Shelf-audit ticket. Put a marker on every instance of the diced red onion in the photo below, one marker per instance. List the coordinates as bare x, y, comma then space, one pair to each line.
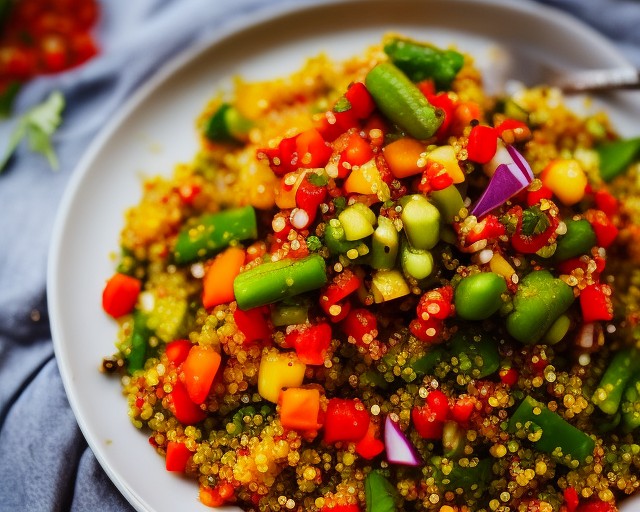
398, 448
522, 164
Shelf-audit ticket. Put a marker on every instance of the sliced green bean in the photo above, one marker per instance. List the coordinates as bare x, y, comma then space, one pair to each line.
227, 124
139, 341
416, 263
335, 238
630, 406
384, 245
421, 221
450, 475
357, 221
448, 201
579, 239
213, 232
278, 280
550, 433
402, 102
424, 61
539, 301
477, 354
618, 374
479, 296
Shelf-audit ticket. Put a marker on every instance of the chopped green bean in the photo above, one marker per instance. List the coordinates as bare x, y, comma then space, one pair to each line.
402, 102
448, 201
621, 369
278, 280
579, 239
630, 406
227, 124
477, 354
335, 238
451, 475
550, 433
139, 341
479, 296
416, 263
421, 221
357, 221
384, 245
213, 232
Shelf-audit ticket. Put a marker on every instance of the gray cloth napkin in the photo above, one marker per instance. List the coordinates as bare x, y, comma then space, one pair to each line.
45, 464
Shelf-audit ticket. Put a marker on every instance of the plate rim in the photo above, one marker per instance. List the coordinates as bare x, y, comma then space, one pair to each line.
265, 13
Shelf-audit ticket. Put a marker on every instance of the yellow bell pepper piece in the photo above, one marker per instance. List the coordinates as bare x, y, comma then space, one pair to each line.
388, 285
566, 179
500, 266
366, 180
278, 370
446, 157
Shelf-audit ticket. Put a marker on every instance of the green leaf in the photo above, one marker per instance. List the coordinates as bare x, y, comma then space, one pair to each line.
534, 221
38, 125
314, 243
342, 105
617, 156
319, 179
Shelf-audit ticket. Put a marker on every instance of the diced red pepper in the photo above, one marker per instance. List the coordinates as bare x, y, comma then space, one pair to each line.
362, 104
606, 202
519, 129
531, 244
345, 420
177, 456
188, 192
341, 508
309, 197
508, 376
311, 342
483, 143
362, 325
429, 330
253, 324
488, 228
606, 232
426, 422
312, 150
282, 159
438, 402
596, 505
434, 177
369, 446
571, 499
183, 408
357, 152
427, 87
178, 350
344, 284
535, 196
595, 303
447, 105
463, 408
120, 295
436, 303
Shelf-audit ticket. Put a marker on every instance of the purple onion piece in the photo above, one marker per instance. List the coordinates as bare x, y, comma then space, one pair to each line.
521, 163
503, 185
398, 448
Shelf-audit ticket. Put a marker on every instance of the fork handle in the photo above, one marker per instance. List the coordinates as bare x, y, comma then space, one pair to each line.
598, 80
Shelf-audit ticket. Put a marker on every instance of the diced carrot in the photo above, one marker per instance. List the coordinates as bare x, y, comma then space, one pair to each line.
120, 294
178, 350
183, 408
210, 497
403, 157
200, 368
218, 278
177, 456
299, 408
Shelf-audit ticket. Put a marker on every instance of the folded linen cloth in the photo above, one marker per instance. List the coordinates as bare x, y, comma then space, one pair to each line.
45, 464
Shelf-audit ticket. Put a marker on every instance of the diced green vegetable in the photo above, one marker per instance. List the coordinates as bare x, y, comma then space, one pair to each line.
424, 61
579, 239
477, 354
139, 341
421, 221
448, 201
630, 405
387, 285
336, 240
617, 156
550, 433
618, 374
357, 221
289, 314
402, 102
473, 478
379, 493
384, 244
479, 296
557, 330
211, 233
227, 124
539, 301
277, 280
416, 263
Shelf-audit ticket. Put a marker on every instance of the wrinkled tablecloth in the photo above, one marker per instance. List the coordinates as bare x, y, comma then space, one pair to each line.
45, 463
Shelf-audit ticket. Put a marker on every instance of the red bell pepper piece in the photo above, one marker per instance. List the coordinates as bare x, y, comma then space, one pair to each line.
512, 125
606, 202
535, 196
253, 324
428, 330
178, 350
595, 303
360, 323
606, 232
311, 342
357, 152
482, 144
463, 408
571, 499
508, 376
341, 508
369, 446
438, 403
344, 284
309, 197
434, 177
177, 456
530, 244
444, 102
362, 104
183, 408
426, 422
488, 228
436, 303
427, 87
345, 420
312, 150
596, 505
120, 294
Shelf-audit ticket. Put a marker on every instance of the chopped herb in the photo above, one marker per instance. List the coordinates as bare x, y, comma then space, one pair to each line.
342, 105
38, 125
314, 243
340, 204
319, 179
534, 221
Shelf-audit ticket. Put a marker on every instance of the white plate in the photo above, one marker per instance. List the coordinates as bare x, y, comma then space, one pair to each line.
156, 129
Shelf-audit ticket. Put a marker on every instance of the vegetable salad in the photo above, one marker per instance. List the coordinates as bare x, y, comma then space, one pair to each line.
377, 288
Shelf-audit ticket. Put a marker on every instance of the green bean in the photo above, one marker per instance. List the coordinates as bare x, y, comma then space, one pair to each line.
558, 330
213, 232
139, 341
384, 245
357, 221
477, 354
424, 61
539, 301
451, 475
380, 494
550, 433
402, 102
289, 314
421, 221
278, 280
227, 124
335, 238
618, 374
479, 296
617, 156
416, 263
579, 239
630, 406
448, 201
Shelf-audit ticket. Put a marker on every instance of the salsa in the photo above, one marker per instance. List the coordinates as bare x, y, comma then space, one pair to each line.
377, 288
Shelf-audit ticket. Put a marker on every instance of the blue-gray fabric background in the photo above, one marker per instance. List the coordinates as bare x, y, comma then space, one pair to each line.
45, 464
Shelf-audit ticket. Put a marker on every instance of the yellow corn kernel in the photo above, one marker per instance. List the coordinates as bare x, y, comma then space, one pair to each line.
566, 179
388, 285
446, 157
500, 266
278, 370
366, 180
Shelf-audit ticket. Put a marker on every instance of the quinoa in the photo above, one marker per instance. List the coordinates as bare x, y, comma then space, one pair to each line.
397, 347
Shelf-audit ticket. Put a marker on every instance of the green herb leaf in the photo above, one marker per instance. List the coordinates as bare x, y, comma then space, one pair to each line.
319, 179
314, 243
617, 156
534, 221
342, 105
340, 204
38, 125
